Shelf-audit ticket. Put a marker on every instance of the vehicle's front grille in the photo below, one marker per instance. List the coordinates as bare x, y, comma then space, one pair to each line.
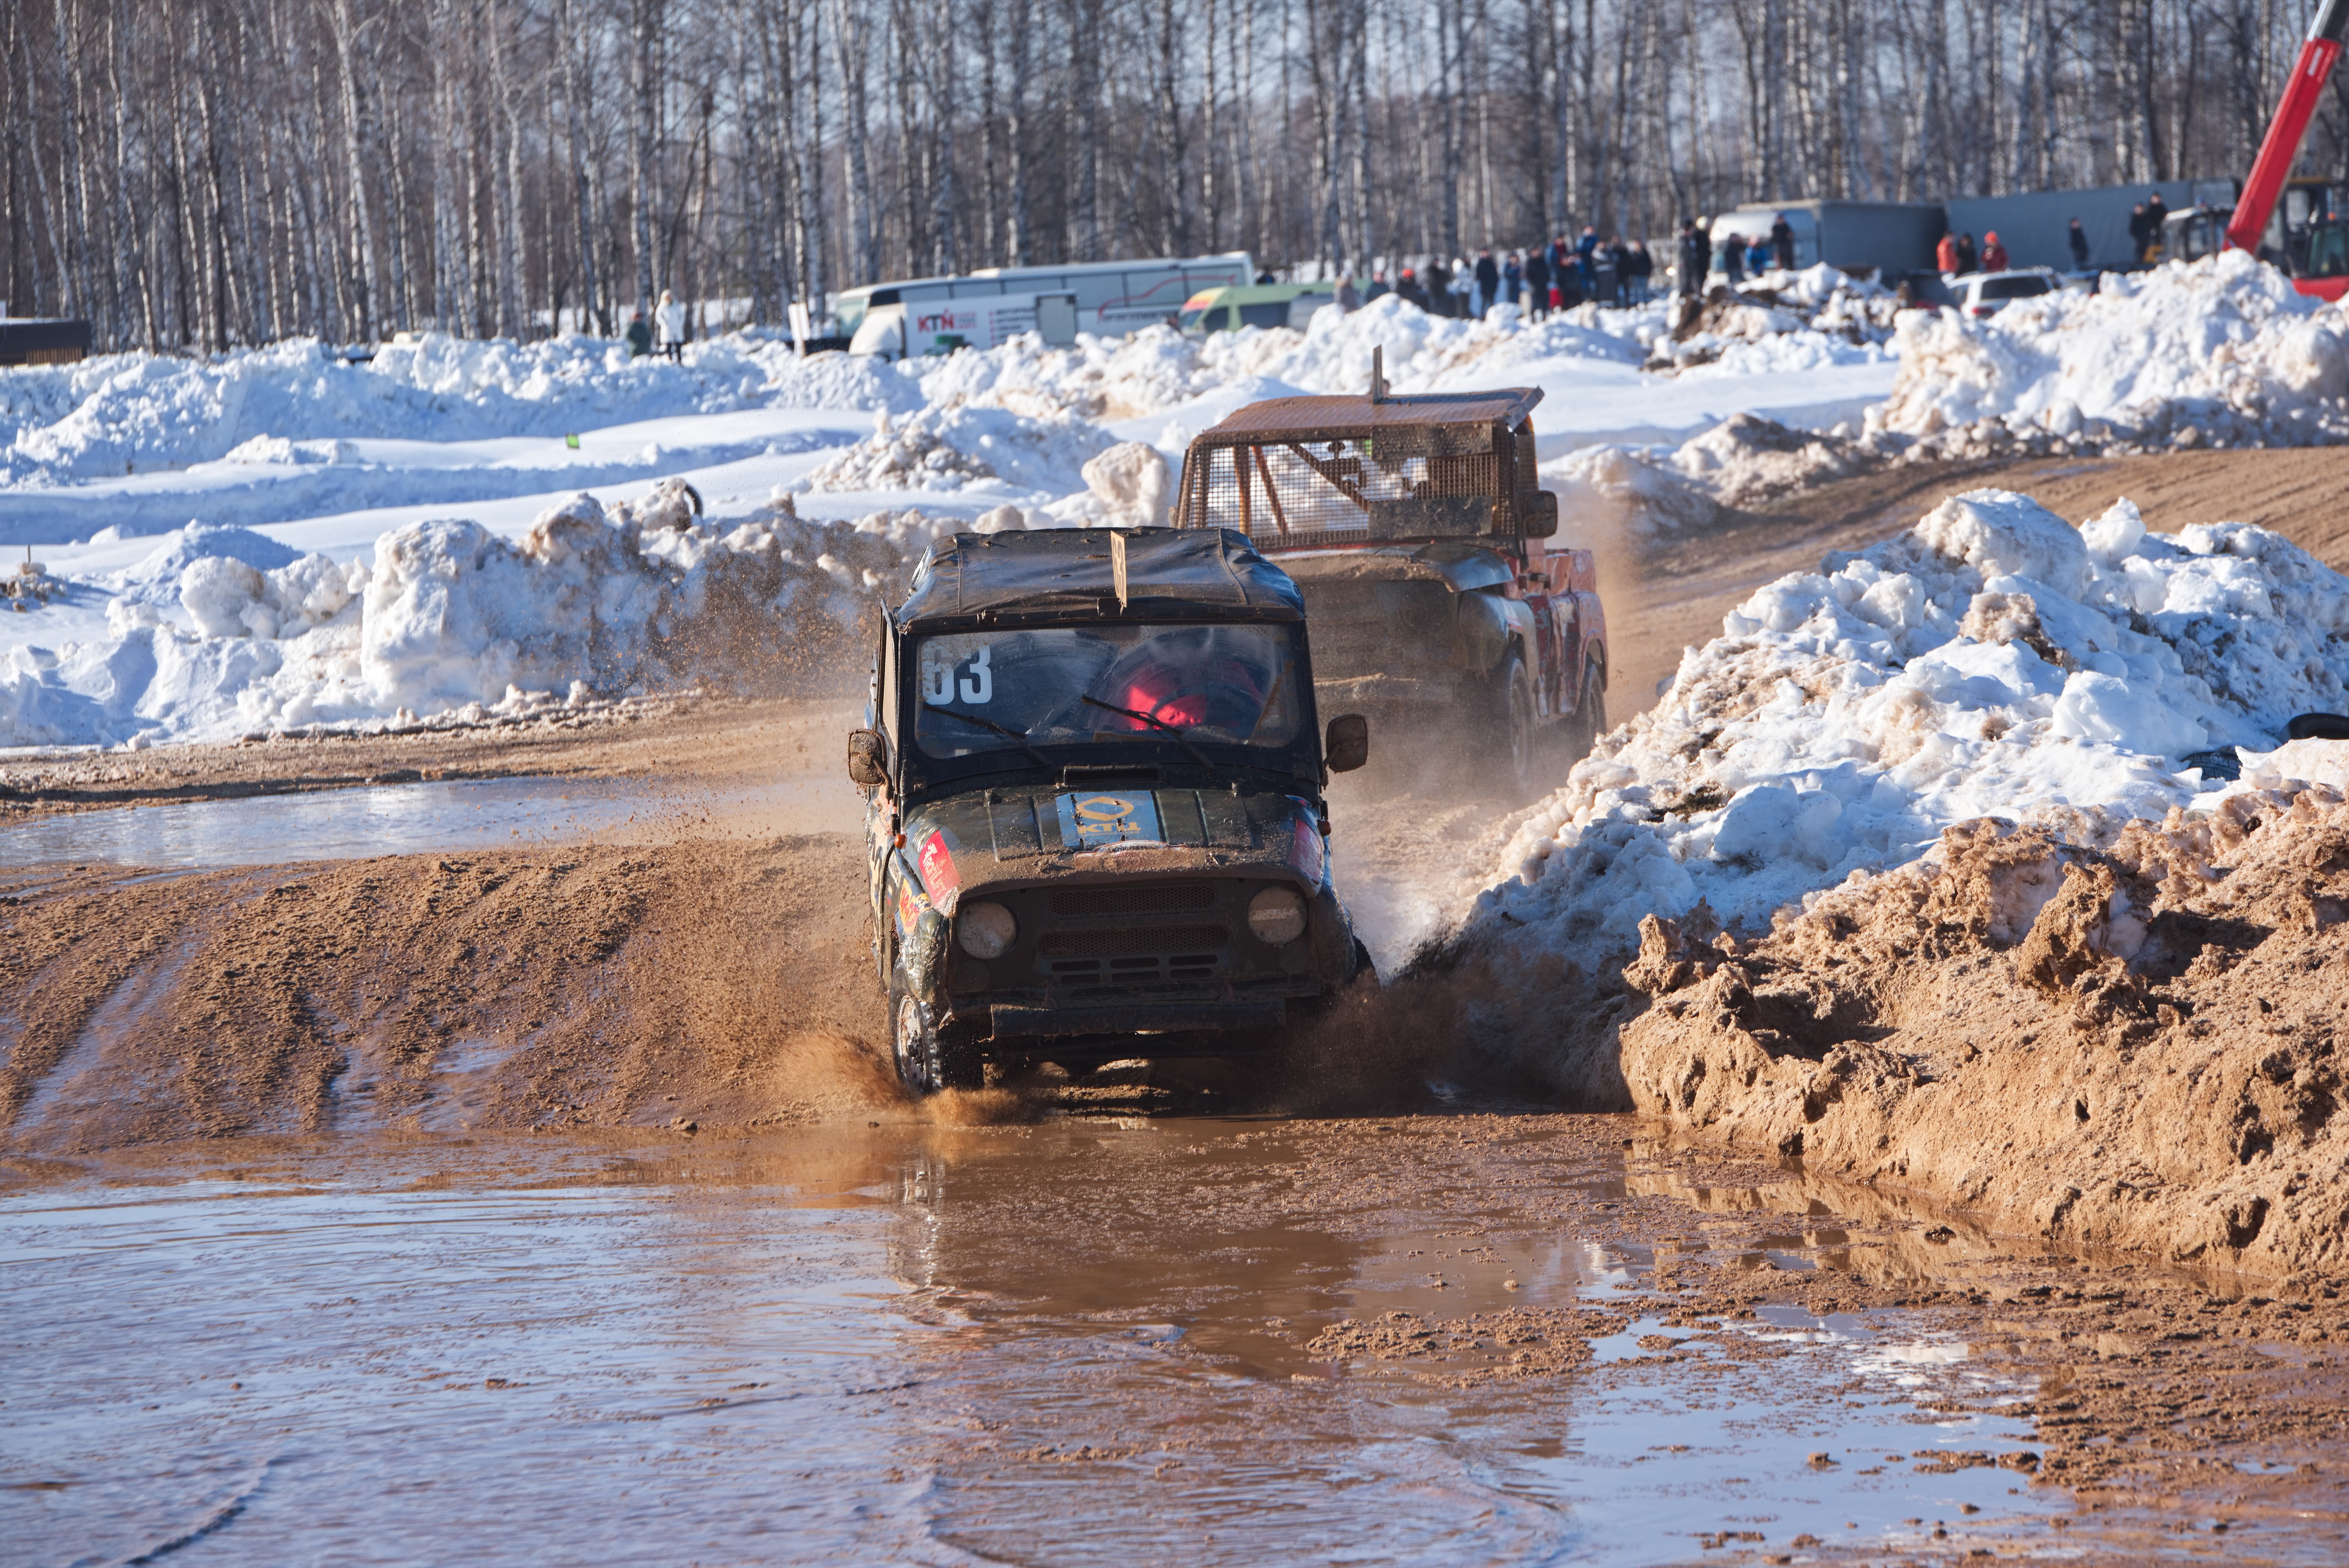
1146, 899
1144, 968
1157, 940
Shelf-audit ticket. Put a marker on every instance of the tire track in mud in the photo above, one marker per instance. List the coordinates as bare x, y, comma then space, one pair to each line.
580, 985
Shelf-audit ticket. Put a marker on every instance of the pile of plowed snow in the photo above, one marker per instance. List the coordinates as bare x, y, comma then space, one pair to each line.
125, 412
1742, 460
222, 632
2220, 352
1993, 661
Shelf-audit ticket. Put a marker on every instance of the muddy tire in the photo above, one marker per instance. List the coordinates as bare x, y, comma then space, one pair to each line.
1589, 720
925, 1061
1511, 752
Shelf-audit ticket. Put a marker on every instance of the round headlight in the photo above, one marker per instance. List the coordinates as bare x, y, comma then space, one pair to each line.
985, 929
1277, 916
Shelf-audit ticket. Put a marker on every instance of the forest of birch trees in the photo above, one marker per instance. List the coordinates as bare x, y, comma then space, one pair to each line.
204, 173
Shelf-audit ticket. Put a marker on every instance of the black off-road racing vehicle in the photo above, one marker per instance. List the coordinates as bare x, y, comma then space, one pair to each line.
1095, 779
1418, 531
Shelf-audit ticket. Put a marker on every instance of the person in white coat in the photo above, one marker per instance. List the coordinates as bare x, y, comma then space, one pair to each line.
668, 320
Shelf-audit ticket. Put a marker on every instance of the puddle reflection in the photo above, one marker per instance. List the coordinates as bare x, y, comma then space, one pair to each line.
1072, 1342
413, 818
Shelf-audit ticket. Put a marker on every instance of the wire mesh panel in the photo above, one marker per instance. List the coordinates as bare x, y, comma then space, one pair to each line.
1340, 491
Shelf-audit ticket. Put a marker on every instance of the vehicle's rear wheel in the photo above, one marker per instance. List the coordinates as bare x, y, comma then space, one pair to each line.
1589, 718
927, 1062
1512, 741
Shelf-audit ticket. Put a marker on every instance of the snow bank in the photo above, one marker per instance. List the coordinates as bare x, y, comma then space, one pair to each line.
1991, 662
1742, 461
137, 412
2219, 353
966, 445
222, 632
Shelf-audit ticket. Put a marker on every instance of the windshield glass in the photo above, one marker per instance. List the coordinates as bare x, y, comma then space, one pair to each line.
2328, 250
1190, 317
1104, 685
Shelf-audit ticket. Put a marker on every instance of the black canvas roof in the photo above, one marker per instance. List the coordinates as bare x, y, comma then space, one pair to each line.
1062, 574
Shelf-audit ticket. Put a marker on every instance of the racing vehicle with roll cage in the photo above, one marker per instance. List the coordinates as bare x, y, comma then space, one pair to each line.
1094, 804
1418, 531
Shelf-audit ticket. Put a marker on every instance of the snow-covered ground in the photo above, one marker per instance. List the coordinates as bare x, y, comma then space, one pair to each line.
1993, 661
275, 538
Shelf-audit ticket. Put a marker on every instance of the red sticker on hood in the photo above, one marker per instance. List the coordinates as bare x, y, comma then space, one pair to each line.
940, 879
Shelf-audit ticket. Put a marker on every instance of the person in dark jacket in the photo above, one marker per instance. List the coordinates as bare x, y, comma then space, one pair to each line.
1732, 258
1408, 286
1781, 241
1439, 287
1638, 271
640, 333
1512, 279
2157, 213
1378, 289
1538, 281
2079, 238
2140, 233
1696, 254
1966, 253
1489, 282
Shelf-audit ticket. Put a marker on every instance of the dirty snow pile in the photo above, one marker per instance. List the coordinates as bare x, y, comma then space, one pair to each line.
292, 401
1991, 662
1742, 460
2220, 352
223, 633
1778, 321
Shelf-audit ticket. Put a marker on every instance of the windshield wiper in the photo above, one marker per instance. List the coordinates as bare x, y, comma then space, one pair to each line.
1018, 737
1155, 722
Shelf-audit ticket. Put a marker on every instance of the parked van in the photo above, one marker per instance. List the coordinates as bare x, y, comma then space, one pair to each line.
1107, 299
1255, 305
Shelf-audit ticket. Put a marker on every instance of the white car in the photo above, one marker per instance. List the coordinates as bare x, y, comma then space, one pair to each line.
1988, 293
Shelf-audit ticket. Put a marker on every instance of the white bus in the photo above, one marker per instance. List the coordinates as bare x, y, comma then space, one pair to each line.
1108, 299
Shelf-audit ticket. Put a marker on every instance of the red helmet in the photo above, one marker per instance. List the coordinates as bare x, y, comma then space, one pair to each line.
1223, 691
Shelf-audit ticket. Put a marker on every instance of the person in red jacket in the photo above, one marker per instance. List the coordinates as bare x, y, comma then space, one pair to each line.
1993, 254
1945, 256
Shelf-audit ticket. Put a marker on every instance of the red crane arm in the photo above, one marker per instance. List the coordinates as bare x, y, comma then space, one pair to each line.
2273, 165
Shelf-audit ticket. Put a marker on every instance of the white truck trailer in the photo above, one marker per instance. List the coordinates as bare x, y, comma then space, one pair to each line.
982, 309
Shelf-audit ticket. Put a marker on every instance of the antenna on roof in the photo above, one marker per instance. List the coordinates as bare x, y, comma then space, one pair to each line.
1379, 374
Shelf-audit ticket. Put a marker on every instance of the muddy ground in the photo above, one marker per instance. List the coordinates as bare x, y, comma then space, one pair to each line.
2169, 1275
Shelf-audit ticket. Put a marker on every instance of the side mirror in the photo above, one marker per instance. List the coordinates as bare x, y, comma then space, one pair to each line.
868, 758
1538, 514
1348, 746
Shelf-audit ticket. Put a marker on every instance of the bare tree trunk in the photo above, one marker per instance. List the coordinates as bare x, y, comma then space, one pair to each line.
645, 82
850, 32
1014, 134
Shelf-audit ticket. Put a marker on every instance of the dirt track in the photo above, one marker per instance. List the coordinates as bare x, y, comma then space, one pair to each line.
727, 985
543, 989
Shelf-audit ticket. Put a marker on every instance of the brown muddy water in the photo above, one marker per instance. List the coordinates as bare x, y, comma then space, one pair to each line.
1093, 1339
